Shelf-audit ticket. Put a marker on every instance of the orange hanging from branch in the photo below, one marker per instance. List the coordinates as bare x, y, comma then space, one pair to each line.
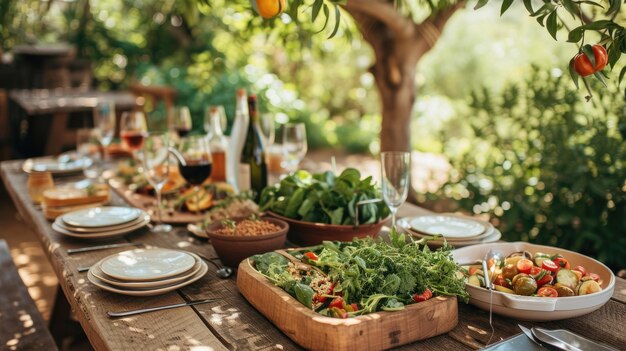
269, 8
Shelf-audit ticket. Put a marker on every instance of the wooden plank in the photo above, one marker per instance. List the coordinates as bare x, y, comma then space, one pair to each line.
619, 294
21, 325
375, 331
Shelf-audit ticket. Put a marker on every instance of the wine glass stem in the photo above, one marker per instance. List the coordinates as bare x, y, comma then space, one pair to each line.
393, 211
197, 190
159, 214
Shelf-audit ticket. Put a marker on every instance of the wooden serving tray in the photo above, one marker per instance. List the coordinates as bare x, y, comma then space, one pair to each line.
375, 331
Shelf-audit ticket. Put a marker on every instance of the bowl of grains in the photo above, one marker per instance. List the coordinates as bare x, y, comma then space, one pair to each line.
235, 239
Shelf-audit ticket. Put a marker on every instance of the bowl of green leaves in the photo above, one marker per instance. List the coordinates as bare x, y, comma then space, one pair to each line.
323, 206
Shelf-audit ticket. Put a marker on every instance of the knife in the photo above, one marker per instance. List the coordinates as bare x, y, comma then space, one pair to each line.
529, 334
100, 247
559, 344
569, 340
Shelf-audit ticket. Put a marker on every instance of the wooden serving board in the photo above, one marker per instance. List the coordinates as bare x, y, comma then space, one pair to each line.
375, 331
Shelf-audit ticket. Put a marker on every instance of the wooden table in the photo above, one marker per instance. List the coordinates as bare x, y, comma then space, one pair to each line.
60, 103
231, 322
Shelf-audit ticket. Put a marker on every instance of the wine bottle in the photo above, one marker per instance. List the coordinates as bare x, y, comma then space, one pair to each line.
237, 139
218, 145
254, 167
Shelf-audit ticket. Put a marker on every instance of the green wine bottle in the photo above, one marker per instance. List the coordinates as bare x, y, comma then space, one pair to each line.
253, 165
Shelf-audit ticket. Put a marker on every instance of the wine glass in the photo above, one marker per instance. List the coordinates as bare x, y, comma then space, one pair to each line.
294, 145
104, 122
181, 121
195, 162
268, 128
88, 145
395, 169
133, 129
209, 125
156, 165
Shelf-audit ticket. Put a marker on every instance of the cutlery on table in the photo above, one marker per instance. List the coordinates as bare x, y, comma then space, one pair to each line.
159, 308
566, 340
101, 247
529, 334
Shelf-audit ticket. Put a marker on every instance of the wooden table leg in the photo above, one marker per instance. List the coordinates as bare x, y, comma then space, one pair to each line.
56, 138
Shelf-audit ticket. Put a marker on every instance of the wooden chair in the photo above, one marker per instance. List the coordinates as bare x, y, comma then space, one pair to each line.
21, 325
150, 98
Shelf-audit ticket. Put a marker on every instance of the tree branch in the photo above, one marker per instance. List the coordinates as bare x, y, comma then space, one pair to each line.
431, 28
385, 12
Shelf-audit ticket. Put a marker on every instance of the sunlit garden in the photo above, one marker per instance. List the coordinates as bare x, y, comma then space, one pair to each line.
455, 165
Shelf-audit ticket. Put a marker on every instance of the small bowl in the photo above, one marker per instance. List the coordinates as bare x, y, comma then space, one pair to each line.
310, 233
533, 308
233, 249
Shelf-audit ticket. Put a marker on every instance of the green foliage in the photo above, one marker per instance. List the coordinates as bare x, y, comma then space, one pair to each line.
325, 198
547, 166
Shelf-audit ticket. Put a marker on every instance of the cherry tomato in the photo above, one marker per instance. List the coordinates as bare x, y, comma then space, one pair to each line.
549, 266
524, 265
583, 66
546, 279
594, 276
547, 291
337, 302
427, 294
561, 262
472, 270
535, 271
311, 255
581, 269
355, 306
500, 280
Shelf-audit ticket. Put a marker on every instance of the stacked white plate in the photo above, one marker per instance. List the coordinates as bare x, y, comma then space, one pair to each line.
147, 272
101, 222
457, 230
57, 166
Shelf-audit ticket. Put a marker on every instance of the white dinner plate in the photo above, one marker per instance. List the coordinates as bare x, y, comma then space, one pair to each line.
448, 226
147, 264
101, 216
487, 233
59, 222
54, 166
495, 235
98, 273
102, 235
147, 292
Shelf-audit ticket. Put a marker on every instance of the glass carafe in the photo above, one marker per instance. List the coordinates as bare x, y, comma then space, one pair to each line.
218, 145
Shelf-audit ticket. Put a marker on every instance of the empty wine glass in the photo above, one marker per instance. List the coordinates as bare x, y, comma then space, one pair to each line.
156, 165
195, 163
181, 121
268, 128
104, 122
395, 169
88, 145
294, 145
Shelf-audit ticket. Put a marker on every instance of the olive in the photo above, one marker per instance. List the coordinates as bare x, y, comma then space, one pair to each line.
525, 285
563, 290
509, 271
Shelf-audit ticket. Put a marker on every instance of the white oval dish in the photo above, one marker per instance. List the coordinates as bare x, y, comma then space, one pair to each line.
448, 226
147, 264
96, 217
104, 234
537, 308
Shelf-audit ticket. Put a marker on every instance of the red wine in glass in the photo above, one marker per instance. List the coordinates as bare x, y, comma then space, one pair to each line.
182, 131
196, 172
134, 139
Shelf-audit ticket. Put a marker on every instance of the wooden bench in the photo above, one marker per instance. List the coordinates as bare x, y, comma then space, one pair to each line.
21, 325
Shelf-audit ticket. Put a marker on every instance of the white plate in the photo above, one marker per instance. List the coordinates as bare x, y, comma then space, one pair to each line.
538, 308
147, 292
59, 222
52, 165
101, 216
102, 235
147, 264
98, 273
487, 233
448, 226
494, 235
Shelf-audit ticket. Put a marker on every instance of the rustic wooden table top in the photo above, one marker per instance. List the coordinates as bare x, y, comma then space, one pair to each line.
231, 322
46, 101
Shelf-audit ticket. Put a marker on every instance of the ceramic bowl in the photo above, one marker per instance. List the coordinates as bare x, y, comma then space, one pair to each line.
232, 249
310, 233
533, 308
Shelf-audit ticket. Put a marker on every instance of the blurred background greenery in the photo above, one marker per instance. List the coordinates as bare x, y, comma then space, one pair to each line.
493, 98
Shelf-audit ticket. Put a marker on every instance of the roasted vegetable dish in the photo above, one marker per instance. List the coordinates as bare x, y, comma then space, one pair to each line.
342, 280
541, 274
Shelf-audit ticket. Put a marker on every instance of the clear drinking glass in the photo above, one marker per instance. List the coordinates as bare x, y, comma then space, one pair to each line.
104, 122
395, 169
133, 129
156, 166
294, 145
181, 121
209, 125
268, 128
195, 162
88, 145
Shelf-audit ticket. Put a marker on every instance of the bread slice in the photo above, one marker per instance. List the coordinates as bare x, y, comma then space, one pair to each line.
70, 196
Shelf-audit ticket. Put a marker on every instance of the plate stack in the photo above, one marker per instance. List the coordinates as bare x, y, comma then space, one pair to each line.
459, 231
101, 222
147, 272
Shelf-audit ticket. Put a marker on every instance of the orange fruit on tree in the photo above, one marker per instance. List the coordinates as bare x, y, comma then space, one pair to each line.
270, 8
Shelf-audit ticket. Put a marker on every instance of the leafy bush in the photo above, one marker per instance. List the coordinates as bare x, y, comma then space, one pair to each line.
548, 167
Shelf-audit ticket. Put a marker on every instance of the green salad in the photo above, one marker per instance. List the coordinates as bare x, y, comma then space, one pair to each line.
344, 280
325, 198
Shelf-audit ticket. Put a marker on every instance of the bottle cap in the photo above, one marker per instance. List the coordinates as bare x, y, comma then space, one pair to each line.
241, 92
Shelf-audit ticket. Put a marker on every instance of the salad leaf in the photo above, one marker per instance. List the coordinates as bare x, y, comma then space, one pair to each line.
304, 294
